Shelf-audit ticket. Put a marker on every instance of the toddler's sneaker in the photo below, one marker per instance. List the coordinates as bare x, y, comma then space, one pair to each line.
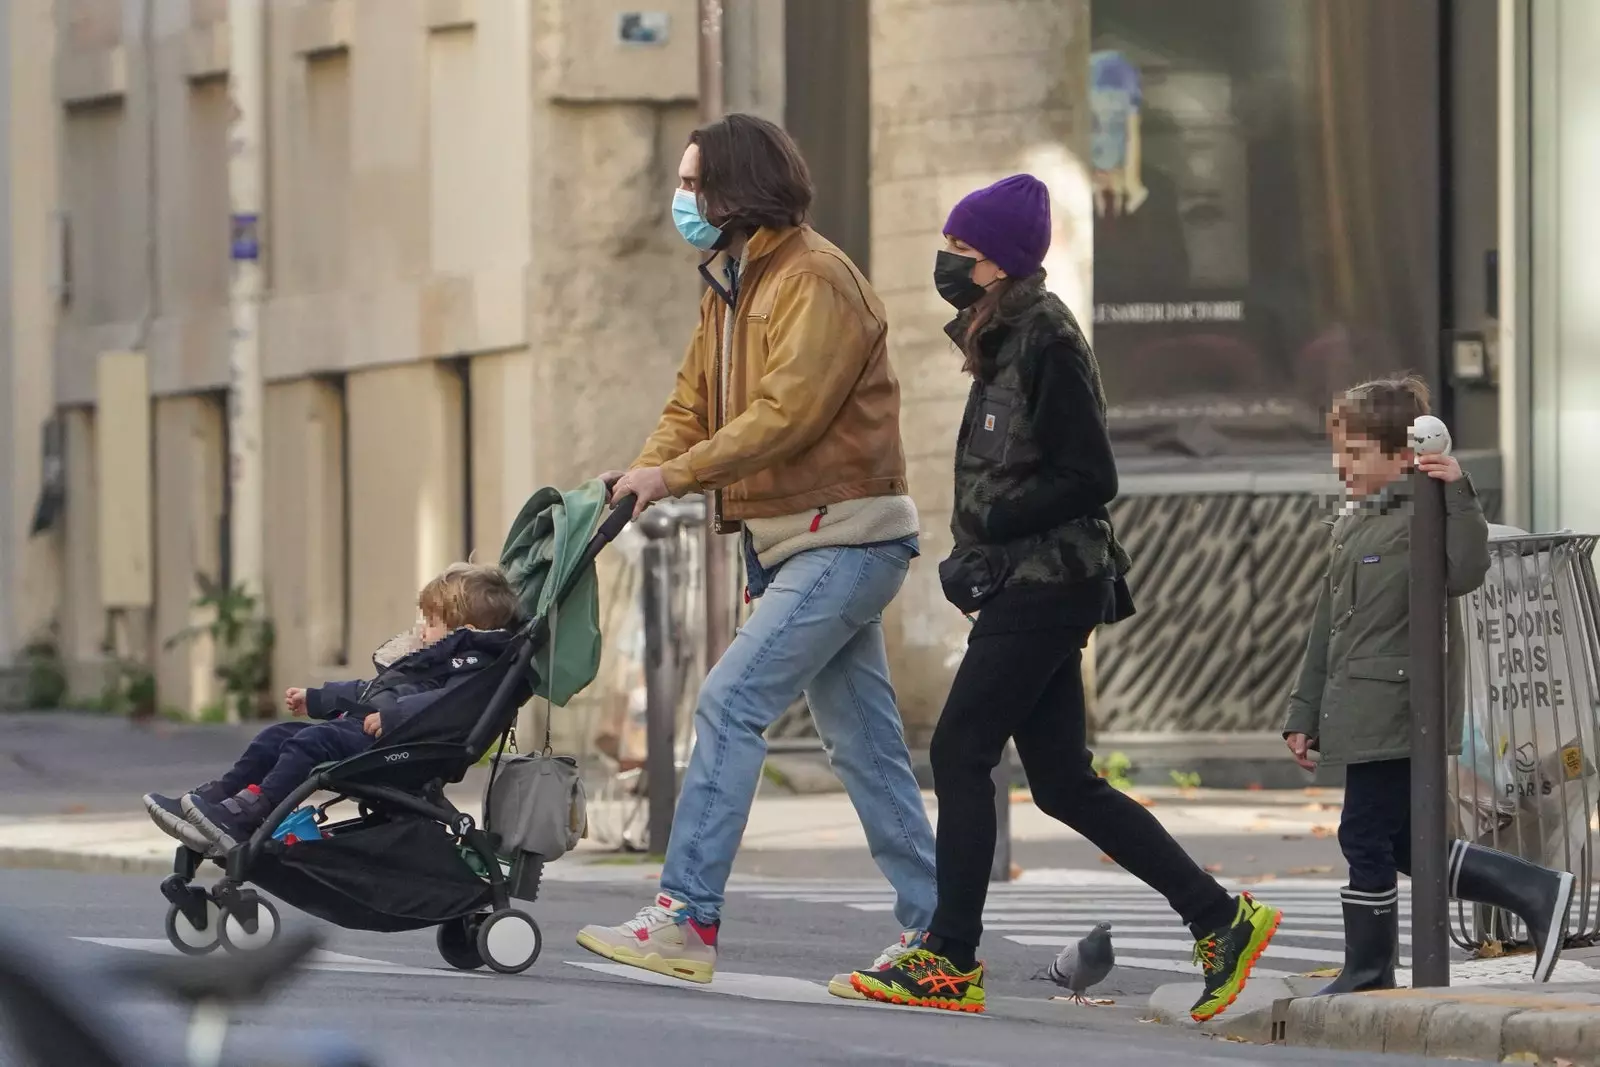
228, 823
909, 942
167, 813
662, 938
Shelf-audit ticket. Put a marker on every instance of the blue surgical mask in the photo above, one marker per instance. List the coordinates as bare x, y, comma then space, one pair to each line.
691, 223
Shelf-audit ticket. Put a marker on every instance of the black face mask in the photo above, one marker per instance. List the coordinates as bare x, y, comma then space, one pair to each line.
952, 276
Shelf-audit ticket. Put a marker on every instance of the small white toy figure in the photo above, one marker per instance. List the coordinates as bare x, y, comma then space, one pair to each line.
1430, 436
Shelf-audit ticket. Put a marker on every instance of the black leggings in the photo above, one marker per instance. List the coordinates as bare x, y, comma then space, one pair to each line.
1028, 686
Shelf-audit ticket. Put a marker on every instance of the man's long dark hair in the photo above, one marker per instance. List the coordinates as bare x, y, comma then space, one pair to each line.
751, 175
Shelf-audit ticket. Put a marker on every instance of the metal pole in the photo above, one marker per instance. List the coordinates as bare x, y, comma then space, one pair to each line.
660, 711
1430, 937
1000, 868
719, 598
246, 78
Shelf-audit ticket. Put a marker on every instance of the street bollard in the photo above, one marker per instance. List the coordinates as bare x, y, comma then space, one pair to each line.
1430, 937
661, 772
1000, 869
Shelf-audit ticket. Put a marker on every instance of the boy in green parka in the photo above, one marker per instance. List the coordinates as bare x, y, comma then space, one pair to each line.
1351, 704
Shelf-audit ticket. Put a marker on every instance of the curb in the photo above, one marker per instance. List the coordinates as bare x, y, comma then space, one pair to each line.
1249, 1019
54, 859
1487, 1023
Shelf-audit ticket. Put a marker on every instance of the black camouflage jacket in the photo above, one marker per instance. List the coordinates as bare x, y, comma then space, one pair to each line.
1034, 471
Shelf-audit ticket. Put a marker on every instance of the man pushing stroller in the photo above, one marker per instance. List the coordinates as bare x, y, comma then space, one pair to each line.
469, 614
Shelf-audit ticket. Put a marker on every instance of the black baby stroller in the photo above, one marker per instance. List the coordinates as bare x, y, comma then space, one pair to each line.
410, 859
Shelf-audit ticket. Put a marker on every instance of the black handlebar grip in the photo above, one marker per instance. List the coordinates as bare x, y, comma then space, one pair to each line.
621, 515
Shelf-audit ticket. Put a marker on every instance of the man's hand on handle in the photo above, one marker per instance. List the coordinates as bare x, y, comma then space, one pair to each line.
648, 484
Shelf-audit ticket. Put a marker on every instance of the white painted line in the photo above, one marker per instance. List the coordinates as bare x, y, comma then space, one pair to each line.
1144, 963
1162, 944
772, 987
319, 961
1072, 933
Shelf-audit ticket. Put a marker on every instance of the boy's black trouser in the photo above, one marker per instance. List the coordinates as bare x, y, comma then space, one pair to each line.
1027, 686
1375, 829
283, 755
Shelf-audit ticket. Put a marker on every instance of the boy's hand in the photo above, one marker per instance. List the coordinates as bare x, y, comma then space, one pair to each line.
372, 725
295, 701
1298, 746
1436, 465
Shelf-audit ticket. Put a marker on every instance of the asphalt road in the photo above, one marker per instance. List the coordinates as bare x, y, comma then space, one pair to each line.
396, 997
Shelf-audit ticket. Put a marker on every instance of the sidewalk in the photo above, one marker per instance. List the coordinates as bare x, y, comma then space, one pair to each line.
1489, 1013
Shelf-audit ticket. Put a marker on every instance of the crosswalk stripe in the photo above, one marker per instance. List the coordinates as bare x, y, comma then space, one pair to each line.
1184, 945
1074, 932
1184, 966
772, 987
320, 960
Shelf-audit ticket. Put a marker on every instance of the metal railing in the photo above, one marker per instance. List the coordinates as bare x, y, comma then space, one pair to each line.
1527, 781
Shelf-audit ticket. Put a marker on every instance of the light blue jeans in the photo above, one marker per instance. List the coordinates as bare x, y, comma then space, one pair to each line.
817, 630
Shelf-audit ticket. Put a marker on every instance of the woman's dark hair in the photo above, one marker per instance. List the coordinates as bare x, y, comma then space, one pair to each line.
982, 312
1383, 410
751, 175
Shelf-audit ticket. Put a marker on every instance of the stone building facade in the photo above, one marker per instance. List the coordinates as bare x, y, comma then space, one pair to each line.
473, 283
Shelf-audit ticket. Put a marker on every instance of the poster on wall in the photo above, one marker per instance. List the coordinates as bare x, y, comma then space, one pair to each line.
1265, 182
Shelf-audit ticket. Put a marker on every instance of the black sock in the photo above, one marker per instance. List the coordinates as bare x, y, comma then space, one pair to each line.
1216, 918
960, 953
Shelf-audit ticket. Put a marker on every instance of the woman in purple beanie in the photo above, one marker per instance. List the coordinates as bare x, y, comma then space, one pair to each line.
1037, 564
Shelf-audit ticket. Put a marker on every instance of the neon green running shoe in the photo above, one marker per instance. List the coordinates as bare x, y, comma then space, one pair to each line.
1227, 956
923, 979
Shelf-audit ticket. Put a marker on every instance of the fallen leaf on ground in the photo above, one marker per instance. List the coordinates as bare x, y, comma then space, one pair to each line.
1313, 791
1213, 868
1256, 879
1490, 950
75, 809
1318, 807
1255, 787
1021, 796
1016, 871
1300, 872
1326, 972
1143, 801
1294, 837
1324, 831
1258, 826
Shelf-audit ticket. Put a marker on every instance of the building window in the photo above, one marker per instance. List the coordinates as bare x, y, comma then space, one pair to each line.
1266, 175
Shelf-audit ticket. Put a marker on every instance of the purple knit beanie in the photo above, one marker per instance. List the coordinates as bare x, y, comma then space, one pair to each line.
1009, 222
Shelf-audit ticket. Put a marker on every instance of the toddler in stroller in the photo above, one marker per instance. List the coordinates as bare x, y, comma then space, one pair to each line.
468, 616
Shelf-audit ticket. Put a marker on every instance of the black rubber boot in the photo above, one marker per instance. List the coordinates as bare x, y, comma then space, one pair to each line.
1371, 941
1537, 895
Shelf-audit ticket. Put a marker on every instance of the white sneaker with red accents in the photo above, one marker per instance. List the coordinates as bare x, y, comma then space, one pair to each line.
909, 942
661, 938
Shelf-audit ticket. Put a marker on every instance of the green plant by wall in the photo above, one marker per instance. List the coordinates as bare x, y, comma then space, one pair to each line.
1186, 779
1114, 768
243, 641
130, 689
45, 685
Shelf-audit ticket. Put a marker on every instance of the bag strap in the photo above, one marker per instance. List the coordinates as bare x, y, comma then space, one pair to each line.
549, 681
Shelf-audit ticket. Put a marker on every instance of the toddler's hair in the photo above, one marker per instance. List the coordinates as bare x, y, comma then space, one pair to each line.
470, 594
1383, 410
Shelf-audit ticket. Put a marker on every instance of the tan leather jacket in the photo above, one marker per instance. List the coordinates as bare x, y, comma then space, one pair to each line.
809, 410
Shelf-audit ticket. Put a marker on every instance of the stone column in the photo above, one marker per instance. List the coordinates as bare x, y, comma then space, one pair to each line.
962, 95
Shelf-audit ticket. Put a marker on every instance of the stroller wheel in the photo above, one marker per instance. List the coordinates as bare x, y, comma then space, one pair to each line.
458, 942
509, 941
235, 938
189, 940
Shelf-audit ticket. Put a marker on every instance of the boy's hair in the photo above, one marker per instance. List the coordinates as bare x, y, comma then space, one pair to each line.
470, 594
1383, 410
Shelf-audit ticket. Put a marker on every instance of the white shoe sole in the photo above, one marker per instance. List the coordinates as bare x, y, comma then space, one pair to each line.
1558, 932
220, 839
699, 972
178, 827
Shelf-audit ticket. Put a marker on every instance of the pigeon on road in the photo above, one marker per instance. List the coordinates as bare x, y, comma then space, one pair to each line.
1085, 964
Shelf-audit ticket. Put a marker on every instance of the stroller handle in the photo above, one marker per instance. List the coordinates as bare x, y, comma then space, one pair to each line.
621, 515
